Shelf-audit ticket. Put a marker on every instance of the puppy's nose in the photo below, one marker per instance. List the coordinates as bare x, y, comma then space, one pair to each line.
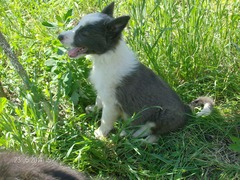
60, 37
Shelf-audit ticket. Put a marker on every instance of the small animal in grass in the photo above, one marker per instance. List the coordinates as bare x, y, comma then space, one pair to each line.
15, 166
124, 85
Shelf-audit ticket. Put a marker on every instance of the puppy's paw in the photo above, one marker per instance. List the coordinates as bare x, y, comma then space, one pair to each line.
90, 109
151, 139
100, 133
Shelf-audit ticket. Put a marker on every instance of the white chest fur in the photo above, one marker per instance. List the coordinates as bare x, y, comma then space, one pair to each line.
109, 69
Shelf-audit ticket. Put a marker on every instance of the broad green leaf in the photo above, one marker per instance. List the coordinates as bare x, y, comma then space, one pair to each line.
48, 24
75, 98
68, 14
236, 144
3, 102
235, 147
59, 18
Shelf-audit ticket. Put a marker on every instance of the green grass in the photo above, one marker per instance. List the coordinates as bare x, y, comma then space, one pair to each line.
193, 45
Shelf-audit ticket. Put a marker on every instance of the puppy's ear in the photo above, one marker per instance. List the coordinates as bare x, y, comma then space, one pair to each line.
109, 9
118, 24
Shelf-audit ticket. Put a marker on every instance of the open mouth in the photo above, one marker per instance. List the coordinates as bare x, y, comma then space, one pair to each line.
76, 51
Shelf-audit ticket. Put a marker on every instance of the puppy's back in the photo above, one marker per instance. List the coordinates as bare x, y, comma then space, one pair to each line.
17, 166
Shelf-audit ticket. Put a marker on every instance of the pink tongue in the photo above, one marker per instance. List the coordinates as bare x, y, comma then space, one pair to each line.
73, 52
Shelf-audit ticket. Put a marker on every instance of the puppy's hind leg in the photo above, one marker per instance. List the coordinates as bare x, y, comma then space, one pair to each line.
145, 130
151, 139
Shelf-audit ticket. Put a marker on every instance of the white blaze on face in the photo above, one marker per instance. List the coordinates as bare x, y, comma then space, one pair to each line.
88, 19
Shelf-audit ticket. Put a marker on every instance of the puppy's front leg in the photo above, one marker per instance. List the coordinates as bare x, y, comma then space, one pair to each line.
98, 106
109, 116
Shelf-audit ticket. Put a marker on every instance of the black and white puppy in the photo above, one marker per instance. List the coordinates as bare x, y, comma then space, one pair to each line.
15, 166
124, 85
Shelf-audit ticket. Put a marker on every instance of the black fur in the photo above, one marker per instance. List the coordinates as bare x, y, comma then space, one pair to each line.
59, 174
108, 10
100, 36
15, 166
142, 91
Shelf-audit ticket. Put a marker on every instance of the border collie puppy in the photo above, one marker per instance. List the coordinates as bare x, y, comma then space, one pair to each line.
14, 166
124, 85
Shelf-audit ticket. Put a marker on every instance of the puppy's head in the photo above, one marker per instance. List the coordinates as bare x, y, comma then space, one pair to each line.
96, 33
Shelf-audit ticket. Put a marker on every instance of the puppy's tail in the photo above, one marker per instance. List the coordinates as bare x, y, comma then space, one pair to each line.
206, 102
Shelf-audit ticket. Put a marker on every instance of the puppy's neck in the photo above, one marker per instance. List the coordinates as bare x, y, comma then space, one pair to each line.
110, 68
120, 54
